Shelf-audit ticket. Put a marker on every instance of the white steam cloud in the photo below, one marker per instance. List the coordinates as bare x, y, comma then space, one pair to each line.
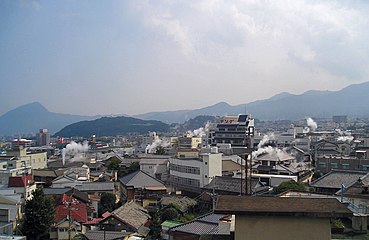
201, 132
74, 151
157, 143
270, 150
345, 136
312, 125
266, 138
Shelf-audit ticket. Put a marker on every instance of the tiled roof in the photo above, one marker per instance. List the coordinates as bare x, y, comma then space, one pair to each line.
140, 179
95, 186
335, 178
229, 165
44, 173
230, 184
68, 191
151, 161
132, 214
289, 206
55, 191
203, 225
182, 201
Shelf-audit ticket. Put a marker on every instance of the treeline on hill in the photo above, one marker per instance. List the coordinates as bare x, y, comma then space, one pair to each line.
112, 126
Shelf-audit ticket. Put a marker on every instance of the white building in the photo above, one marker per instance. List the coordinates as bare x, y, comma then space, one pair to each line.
156, 167
191, 169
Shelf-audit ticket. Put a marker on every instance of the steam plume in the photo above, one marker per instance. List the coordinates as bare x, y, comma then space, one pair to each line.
74, 150
157, 143
311, 124
266, 138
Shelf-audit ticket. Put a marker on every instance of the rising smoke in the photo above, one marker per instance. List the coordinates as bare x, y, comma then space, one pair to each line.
345, 136
201, 132
311, 125
74, 151
157, 143
266, 139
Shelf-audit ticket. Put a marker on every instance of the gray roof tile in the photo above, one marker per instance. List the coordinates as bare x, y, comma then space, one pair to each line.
335, 178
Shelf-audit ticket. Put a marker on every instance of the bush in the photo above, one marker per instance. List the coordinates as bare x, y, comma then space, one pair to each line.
290, 185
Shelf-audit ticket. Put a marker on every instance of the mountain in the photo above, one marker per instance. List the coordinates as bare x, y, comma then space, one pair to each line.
31, 117
352, 101
112, 126
193, 123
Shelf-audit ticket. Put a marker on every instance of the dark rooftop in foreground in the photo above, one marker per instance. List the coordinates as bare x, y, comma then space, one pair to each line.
247, 205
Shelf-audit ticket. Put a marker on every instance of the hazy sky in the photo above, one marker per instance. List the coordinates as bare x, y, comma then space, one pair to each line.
110, 57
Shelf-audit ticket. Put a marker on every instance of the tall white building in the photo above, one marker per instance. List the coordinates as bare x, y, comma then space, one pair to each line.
191, 169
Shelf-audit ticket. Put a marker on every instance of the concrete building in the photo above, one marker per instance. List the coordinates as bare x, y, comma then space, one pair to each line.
189, 142
191, 170
156, 167
232, 130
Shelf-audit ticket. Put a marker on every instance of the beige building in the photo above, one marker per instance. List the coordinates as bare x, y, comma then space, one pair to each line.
281, 218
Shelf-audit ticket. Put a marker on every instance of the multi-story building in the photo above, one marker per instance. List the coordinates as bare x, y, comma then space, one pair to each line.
233, 130
191, 169
18, 163
188, 142
21, 142
43, 138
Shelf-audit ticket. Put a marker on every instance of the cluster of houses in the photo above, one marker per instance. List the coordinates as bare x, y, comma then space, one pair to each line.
213, 171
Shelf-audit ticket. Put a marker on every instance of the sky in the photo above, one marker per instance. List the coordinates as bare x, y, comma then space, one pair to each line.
91, 57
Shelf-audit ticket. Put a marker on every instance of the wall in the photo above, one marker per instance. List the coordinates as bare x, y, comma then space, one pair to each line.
282, 228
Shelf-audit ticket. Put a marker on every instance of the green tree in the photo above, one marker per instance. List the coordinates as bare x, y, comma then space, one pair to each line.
39, 215
169, 214
114, 164
107, 203
160, 151
133, 167
289, 185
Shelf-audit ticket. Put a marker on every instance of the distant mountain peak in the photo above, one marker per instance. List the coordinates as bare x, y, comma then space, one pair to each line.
34, 107
280, 96
220, 104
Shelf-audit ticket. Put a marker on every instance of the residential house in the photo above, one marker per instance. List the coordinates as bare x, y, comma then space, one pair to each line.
130, 217
23, 185
10, 213
70, 215
185, 204
142, 188
332, 182
279, 162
